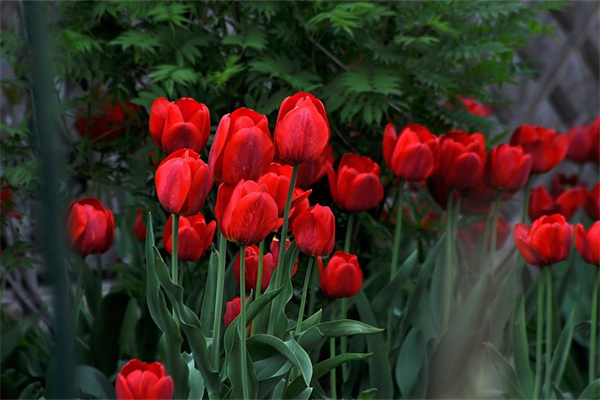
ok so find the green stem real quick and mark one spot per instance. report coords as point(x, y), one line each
point(547, 379)
point(486, 234)
point(216, 347)
point(395, 251)
point(344, 305)
point(538, 341)
point(304, 293)
point(594, 328)
point(175, 251)
point(447, 285)
point(495, 208)
point(242, 322)
point(332, 374)
point(284, 229)
point(261, 252)
point(313, 291)
point(526, 201)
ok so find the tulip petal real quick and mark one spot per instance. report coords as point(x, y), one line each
point(173, 180)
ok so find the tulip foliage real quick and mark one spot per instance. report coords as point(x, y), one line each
point(265, 201)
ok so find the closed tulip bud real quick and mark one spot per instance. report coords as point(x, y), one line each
point(108, 122)
point(311, 172)
point(546, 242)
point(194, 236)
point(507, 168)
point(565, 203)
point(588, 243)
point(276, 179)
point(251, 268)
point(181, 125)
point(246, 213)
point(591, 203)
point(139, 227)
point(356, 186)
point(342, 277)
point(545, 147)
point(584, 143)
point(302, 129)
point(242, 147)
point(314, 231)
point(413, 154)
point(233, 308)
point(462, 158)
point(182, 182)
point(140, 380)
point(91, 226)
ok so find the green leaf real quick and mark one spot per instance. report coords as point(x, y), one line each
point(520, 347)
point(561, 352)
point(592, 391)
point(285, 350)
point(412, 357)
point(207, 314)
point(92, 382)
point(9, 342)
point(195, 379)
point(345, 327)
point(506, 372)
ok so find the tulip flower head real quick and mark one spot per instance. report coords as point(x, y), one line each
point(276, 179)
point(139, 227)
point(546, 242)
point(140, 380)
point(413, 154)
point(475, 107)
point(311, 172)
point(591, 202)
point(246, 213)
point(233, 308)
point(181, 125)
point(106, 123)
point(314, 231)
point(546, 148)
point(588, 243)
point(507, 168)
point(251, 268)
point(565, 203)
point(242, 147)
point(342, 277)
point(584, 143)
point(182, 182)
point(302, 129)
point(194, 236)
point(90, 227)
point(462, 158)
point(356, 187)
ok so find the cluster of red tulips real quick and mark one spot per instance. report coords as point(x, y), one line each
point(264, 186)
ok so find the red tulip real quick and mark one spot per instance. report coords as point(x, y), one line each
point(275, 253)
point(299, 204)
point(548, 241)
point(246, 213)
point(314, 231)
point(242, 147)
point(182, 182)
point(588, 243)
point(356, 187)
point(473, 233)
point(140, 380)
point(311, 172)
point(251, 268)
point(566, 203)
point(276, 179)
point(232, 310)
point(591, 203)
point(139, 228)
point(91, 226)
point(584, 143)
point(413, 154)
point(193, 239)
point(181, 125)
point(107, 122)
point(507, 168)
point(302, 130)
point(475, 107)
point(342, 277)
point(462, 158)
point(474, 200)
point(546, 148)
point(561, 182)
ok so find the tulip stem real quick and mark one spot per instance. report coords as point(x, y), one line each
point(344, 303)
point(216, 353)
point(261, 252)
point(175, 248)
point(547, 379)
point(538, 342)
point(526, 201)
point(332, 355)
point(242, 321)
point(447, 281)
point(594, 328)
point(495, 208)
point(313, 292)
point(284, 229)
point(395, 251)
point(304, 293)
